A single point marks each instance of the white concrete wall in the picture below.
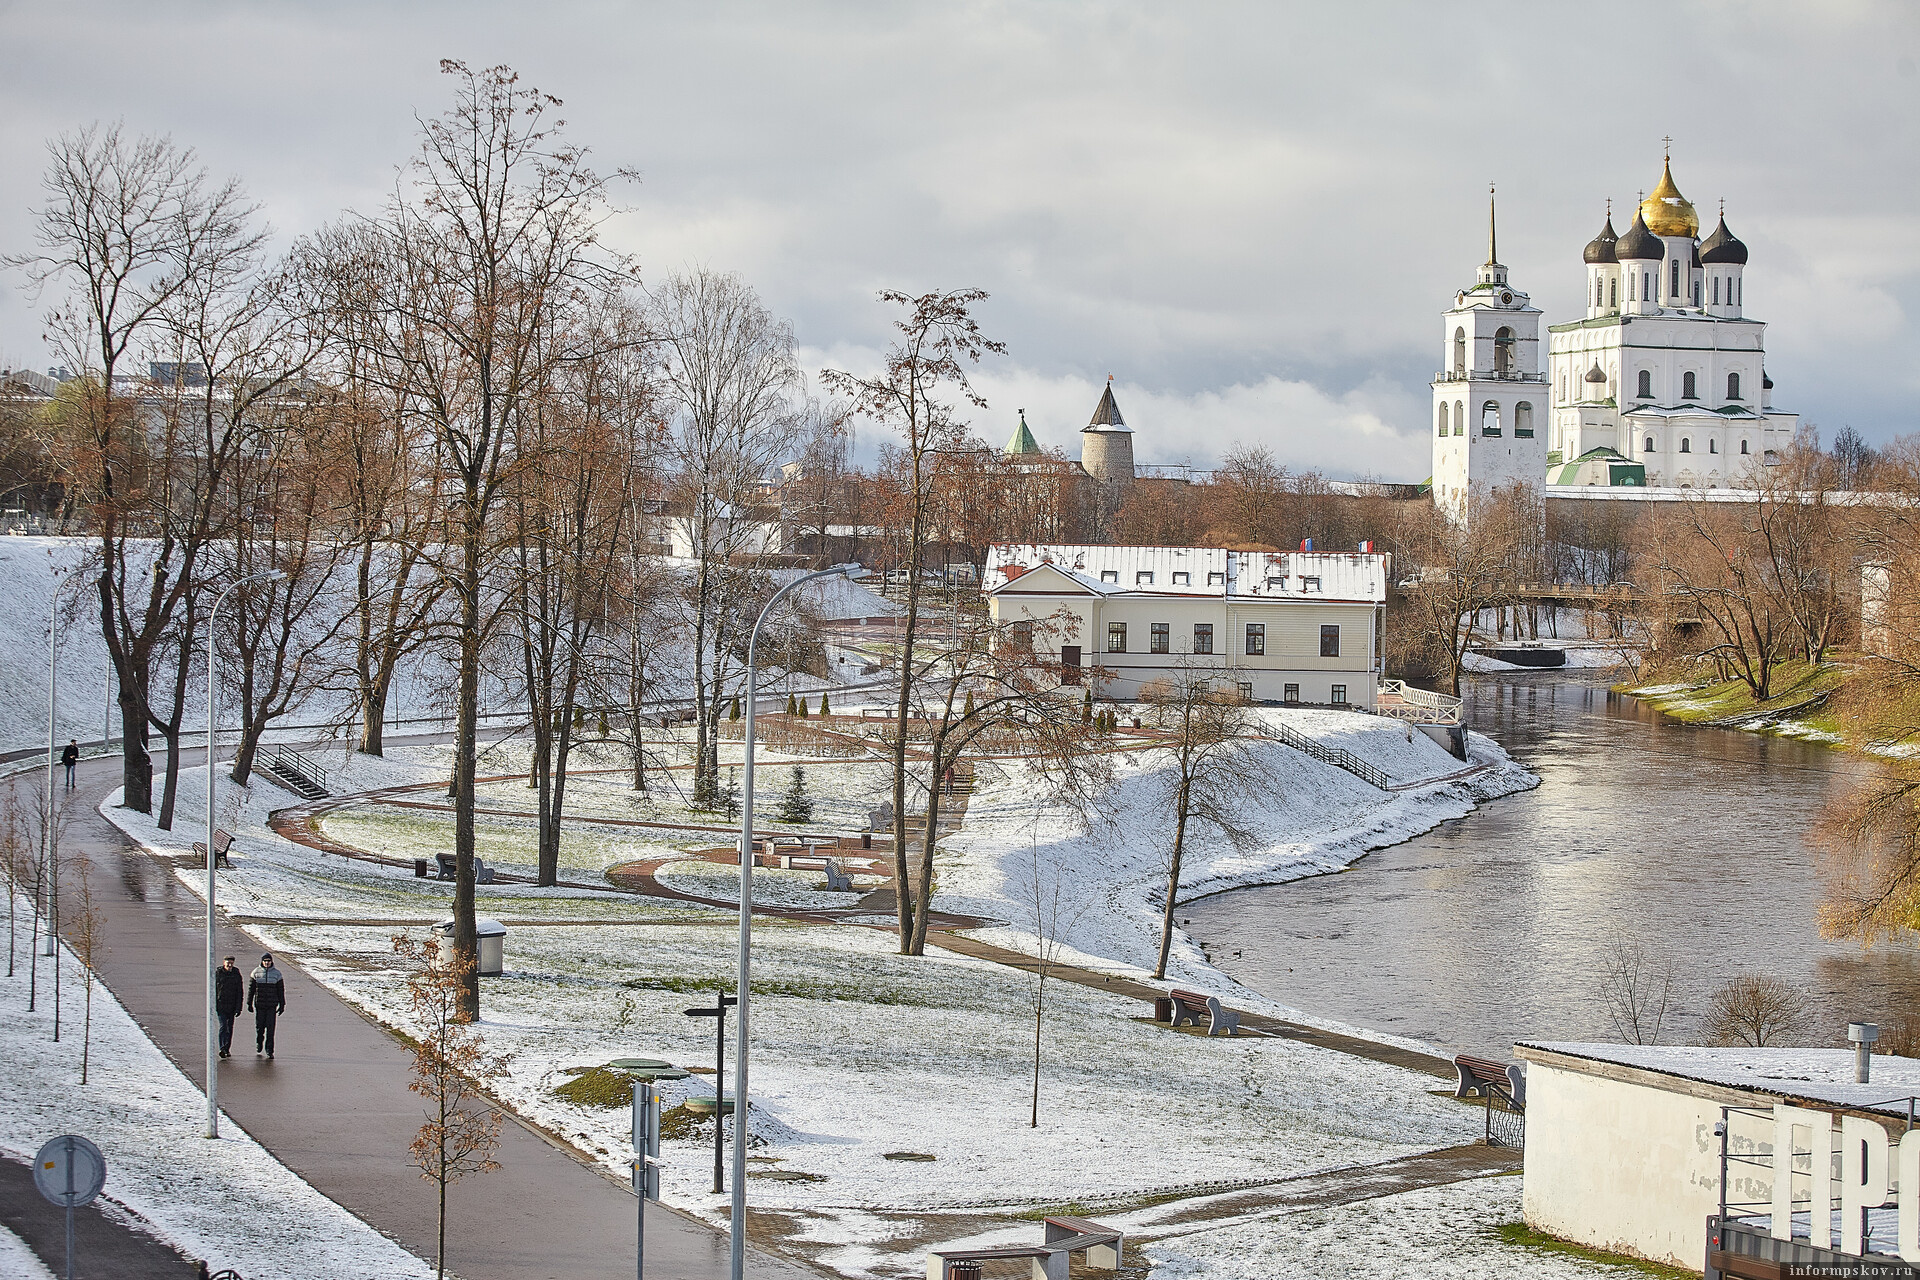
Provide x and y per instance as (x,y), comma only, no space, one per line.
(1620,1166)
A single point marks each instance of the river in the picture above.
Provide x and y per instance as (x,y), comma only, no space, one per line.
(1493,928)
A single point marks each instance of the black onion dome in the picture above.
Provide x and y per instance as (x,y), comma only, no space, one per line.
(1600,248)
(1639,243)
(1594,374)
(1721,248)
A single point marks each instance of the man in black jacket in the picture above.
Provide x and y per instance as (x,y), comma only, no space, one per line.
(266,996)
(70,756)
(226,1001)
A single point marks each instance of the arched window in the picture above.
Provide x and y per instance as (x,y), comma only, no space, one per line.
(1613,293)
(1743,446)
(1743,294)
(1650,448)
(1459,350)
(1733,386)
(1490,418)
(1696,292)
(1459,417)
(1675,290)
(1686,444)
(1632,286)
(1646,384)
(1523,420)
(1716,291)
(1443,418)
(1596,293)
(1686,387)
(1713,446)
(1503,351)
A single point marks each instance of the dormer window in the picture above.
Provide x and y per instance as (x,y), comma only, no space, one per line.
(1144,578)
(1276,584)
(1216,579)
(1309,584)
(1110,575)
(1181,578)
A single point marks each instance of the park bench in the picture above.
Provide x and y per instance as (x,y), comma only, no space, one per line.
(838,881)
(1493,1082)
(449,868)
(222,842)
(1098,1245)
(1188,1006)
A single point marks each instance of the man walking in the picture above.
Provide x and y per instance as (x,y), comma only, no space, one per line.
(227,997)
(70,756)
(266,996)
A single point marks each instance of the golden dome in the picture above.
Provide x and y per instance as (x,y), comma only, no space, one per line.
(1666,212)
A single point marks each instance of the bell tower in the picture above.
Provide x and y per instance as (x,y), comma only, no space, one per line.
(1490,396)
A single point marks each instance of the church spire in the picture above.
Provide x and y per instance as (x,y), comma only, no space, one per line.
(1493,251)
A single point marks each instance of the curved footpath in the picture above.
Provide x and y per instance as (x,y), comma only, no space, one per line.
(334,1106)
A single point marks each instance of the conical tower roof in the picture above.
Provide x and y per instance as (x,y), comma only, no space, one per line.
(1023,444)
(1106,415)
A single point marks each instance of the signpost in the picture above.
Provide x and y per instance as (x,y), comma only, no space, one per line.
(70,1172)
(718,1012)
(646,1164)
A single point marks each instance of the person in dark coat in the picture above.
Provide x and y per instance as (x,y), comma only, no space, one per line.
(266,996)
(70,756)
(227,999)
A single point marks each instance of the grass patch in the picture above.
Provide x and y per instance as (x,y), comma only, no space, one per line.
(1523,1236)
(681,1122)
(1791,684)
(603,1087)
(795,989)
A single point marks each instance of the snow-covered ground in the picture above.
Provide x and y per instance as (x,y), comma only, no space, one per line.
(17,1262)
(208,1199)
(860,1052)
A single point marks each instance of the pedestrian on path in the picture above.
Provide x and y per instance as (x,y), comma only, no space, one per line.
(266,996)
(70,756)
(227,999)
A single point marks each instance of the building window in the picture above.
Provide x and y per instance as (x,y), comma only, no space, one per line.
(1743,446)
(1144,578)
(1459,417)
(1733,386)
(1256,639)
(1246,691)
(1675,290)
(1613,293)
(1503,351)
(1023,636)
(1686,445)
(1523,420)
(1308,583)
(1203,637)
(1181,578)
(1290,693)
(1490,418)
(1646,384)
(1649,444)
(1069,664)
(1110,575)
(1443,418)
(1713,446)
(1716,291)
(1686,387)
(1338,695)
(1157,637)
(1116,637)
(1459,351)
(1330,640)
(1216,579)
(1696,292)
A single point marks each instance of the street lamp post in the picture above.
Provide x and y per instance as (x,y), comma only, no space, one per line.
(737,1227)
(213,1021)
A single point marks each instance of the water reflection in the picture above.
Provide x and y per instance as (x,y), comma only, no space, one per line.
(1492,928)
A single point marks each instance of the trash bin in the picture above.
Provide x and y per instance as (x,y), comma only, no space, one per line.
(492,936)
(1162,1009)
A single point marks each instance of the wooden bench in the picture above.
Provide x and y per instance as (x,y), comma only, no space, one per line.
(838,881)
(1188,1006)
(449,869)
(1485,1078)
(222,843)
(1098,1245)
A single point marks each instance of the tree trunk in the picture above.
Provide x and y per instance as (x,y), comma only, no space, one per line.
(923,896)
(1173,882)
(903,902)
(465,933)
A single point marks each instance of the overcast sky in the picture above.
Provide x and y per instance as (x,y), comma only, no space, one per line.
(1250,215)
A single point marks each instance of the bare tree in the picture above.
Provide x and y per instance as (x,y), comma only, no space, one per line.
(1454,570)
(16,863)
(87,931)
(729,377)
(938,339)
(1757,1009)
(1051,908)
(1215,765)
(1636,986)
(142,236)
(451,1068)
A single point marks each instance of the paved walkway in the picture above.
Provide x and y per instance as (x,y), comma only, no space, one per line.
(334,1106)
(103,1248)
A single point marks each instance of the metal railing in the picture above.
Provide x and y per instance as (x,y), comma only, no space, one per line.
(1488,375)
(1338,757)
(1402,701)
(291,765)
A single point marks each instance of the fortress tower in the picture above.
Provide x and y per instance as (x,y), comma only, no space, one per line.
(1106,447)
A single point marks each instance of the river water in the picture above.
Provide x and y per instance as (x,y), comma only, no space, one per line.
(1493,928)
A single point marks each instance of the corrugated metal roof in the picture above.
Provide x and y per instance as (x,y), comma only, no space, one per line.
(1200,571)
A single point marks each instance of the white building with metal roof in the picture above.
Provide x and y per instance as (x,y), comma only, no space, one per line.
(1288,627)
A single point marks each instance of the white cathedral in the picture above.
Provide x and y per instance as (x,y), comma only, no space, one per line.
(1663,383)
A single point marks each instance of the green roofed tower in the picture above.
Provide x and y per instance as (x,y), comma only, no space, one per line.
(1023,445)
